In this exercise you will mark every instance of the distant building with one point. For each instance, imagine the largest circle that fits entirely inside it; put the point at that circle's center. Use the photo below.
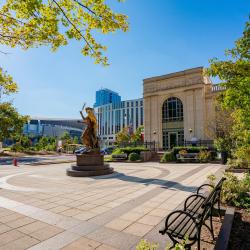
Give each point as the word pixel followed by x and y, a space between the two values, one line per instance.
pixel 113 117
pixel 37 127
pixel 106 96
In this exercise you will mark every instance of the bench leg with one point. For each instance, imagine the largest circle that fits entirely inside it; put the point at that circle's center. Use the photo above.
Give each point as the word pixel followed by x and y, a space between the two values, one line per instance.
pixel 199 240
pixel 219 210
pixel 211 225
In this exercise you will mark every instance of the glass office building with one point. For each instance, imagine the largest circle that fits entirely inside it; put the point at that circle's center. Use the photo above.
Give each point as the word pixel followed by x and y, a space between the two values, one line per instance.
pixel 106 96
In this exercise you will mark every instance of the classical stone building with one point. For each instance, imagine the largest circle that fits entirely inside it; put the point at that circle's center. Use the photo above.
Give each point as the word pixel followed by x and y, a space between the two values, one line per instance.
pixel 178 106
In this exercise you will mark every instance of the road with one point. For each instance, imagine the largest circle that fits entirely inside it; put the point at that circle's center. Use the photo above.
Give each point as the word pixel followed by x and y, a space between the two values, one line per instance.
pixel 37 159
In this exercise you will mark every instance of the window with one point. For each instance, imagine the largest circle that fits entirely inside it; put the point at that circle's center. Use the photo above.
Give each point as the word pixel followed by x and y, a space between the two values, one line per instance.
pixel 172 110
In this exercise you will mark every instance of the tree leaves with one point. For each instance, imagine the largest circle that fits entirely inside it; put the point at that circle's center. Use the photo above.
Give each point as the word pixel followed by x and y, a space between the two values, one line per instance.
pixel 235 76
pixel 11 123
pixel 7 85
pixel 31 23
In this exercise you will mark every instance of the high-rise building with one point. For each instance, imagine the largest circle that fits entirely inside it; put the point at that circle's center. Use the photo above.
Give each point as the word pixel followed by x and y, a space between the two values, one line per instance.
pixel 106 96
pixel 113 117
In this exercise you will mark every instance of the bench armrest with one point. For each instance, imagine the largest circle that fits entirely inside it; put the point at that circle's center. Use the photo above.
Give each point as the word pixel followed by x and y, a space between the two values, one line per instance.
pixel 167 224
pixel 202 186
pixel 193 197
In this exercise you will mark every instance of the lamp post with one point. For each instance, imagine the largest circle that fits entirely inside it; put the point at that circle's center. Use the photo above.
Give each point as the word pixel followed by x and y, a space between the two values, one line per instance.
pixel 154 133
pixel 190 133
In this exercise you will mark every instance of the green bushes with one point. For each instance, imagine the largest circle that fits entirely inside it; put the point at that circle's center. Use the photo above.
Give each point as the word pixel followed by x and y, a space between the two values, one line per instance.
pixel 146 245
pixel 134 157
pixel 237 163
pixel 24 144
pixel 235 191
pixel 129 150
pixel 17 147
pixel 118 151
pixel 204 156
pixel 168 157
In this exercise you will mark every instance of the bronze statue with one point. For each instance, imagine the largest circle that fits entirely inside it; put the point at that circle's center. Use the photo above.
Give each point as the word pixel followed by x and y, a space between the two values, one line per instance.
pixel 89 136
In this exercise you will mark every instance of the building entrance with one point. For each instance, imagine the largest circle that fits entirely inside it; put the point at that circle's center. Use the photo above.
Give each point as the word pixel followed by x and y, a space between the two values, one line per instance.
pixel 172 123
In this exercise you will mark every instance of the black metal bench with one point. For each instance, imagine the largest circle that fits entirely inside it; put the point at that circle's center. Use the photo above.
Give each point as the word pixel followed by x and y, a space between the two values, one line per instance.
pixel 120 157
pixel 186 224
pixel 188 157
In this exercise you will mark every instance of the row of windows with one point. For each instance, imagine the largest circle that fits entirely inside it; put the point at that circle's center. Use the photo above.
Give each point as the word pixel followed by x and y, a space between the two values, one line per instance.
pixel 121 105
pixel 111 122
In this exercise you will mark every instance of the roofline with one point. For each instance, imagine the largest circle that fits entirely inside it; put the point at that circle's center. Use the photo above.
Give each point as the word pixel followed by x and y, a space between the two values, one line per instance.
pixel 51 119
pixel 175 74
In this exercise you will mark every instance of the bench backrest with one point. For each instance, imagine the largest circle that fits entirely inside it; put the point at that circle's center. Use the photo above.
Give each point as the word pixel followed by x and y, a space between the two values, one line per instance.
pixel 212 198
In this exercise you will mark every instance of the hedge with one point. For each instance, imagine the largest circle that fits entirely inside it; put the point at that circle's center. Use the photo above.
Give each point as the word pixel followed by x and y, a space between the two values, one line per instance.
pixel 129 150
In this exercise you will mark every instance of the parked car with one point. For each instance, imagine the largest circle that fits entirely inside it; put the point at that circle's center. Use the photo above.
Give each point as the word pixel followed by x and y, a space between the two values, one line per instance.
pixel 80 150
pixel 107 150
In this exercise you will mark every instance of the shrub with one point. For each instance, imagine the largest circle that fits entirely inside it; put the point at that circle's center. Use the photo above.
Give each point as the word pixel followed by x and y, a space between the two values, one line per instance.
pixel 145 245
pixel 133 157
pixel 117 151
pixel 237 163
pixel 17 147
pixel 182 152
pixel 168 156
pixel 235 191
pixel 129 150
pixel 204 156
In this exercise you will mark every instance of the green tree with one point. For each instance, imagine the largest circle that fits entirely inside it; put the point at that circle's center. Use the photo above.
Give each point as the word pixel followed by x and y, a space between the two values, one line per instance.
pixel 136 137
pixel 75 140
pixel 31 23
pixel 235 76
pixel 123 136
pixel 11 122
pixel 66 138
pixel 7 85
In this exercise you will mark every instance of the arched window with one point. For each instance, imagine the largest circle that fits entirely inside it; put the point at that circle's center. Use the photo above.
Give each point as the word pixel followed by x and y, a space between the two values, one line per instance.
pixel 172 110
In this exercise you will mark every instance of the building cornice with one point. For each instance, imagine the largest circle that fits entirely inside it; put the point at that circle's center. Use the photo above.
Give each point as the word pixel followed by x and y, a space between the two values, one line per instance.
pixel 174 75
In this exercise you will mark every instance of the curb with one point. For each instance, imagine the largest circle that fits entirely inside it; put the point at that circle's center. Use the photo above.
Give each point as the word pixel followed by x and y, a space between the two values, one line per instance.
pixel 224 235
pixel 48 163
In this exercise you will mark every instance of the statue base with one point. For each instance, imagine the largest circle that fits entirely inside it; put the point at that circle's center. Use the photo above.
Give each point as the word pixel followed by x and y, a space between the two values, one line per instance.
pixel 89 164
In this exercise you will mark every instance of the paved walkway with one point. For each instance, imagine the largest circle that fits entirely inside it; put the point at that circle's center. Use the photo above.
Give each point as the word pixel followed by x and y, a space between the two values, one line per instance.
pixel 42 208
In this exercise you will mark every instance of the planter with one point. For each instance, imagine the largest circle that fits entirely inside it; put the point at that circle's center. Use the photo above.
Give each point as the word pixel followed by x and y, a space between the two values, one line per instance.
pixel 224 156
pixel 238 170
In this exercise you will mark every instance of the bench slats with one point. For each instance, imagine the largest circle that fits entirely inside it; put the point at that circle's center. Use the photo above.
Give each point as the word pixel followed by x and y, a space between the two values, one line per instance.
pixel 197 209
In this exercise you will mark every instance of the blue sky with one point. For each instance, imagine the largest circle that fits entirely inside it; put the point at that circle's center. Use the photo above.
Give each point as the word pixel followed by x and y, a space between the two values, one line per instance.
pixel 165 36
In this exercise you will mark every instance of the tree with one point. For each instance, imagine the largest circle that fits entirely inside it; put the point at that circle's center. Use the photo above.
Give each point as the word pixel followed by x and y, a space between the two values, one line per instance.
pixel 136 137
pixel 75 140
pixel 11 123
pixel 7 85
pixel 235 76
pixel 31 23
pixel 123 136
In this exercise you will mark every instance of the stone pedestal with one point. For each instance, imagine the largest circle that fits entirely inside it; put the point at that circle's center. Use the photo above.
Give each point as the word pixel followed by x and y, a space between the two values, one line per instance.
pixel 89 164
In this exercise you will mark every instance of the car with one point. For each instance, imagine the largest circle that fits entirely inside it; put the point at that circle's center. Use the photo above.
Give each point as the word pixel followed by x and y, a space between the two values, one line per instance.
pixel 107 150
pixel 80 150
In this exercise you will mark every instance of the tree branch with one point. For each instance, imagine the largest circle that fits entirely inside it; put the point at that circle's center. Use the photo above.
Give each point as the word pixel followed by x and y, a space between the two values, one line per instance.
pixel 73 25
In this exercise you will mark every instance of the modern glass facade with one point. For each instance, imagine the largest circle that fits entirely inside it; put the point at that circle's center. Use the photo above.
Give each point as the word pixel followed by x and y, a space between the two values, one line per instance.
pixel 106 96
pixel 113 117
